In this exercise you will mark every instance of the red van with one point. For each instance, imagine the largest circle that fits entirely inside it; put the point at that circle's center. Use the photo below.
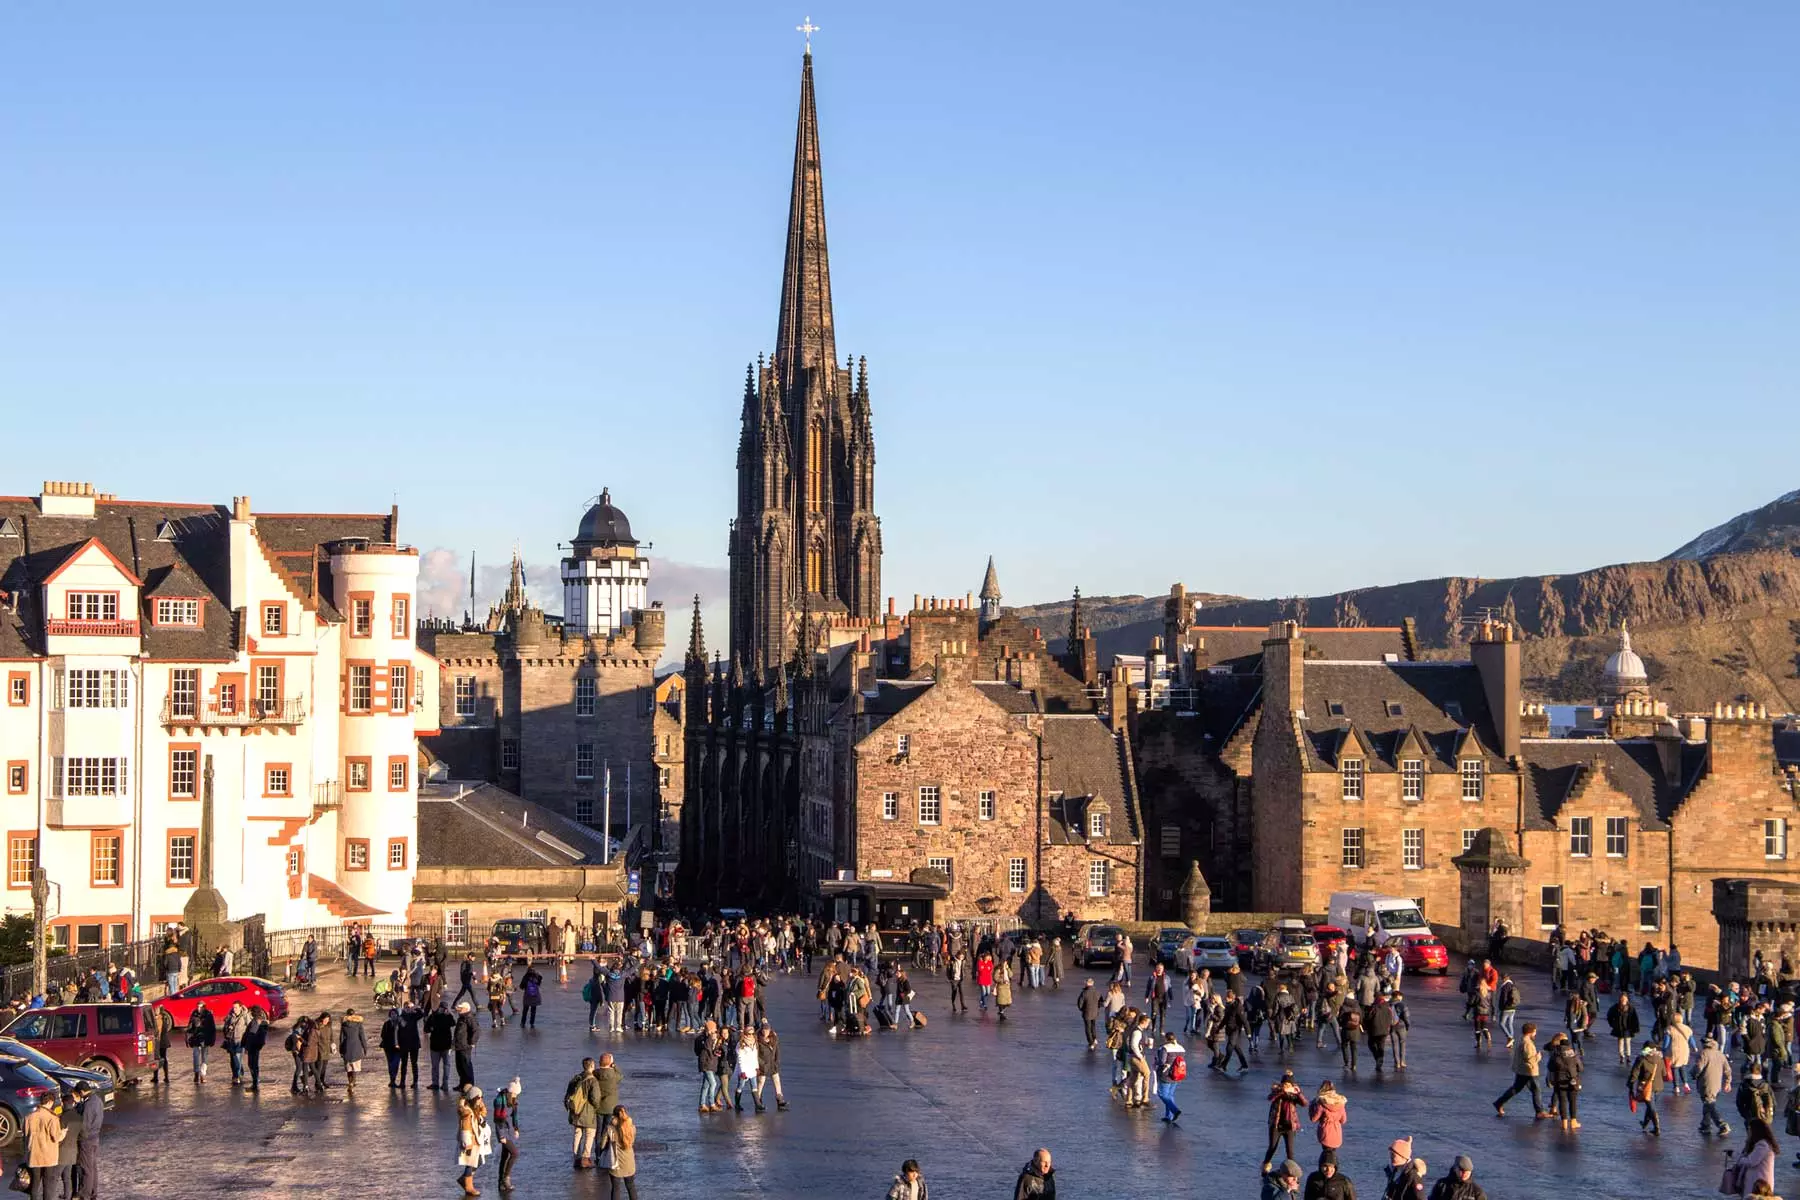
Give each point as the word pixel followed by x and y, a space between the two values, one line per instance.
pixel 113 1039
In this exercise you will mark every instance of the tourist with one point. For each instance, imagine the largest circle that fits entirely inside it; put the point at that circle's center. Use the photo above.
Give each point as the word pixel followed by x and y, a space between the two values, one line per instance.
pixel 909 1184
pixel 1712 1075
pixel 1565 1080
pixel 1508 1001
pixel 1526 1062
pixel 162 1033
pixel 318 1051
pixel 506 1125
pixel 91 1114
pixel 532 987
pixel 1326 1183
pixel 1644 1082
pixel 44 1136
pixel 984 978
pixel 581 1100
pixel 1171 1069
pixel 618 1143
pixel 201 1034
pixel 1622 1019
pixel 744 1072
pixel 469 1128
pixel 1087 1002
pixel 256 1035
pixel 237 1022
pixel 1405 1174
pixel 1329 1111
pixel 390 1046
pixel 466 1034
pixel 1038 1180
pixel 1757 1161
pixel 1459 1182
pixel 353 1047
pixel 709 1053
pixel 1281 1182
pixel 768 1064
pixel 1286 1103
pixel 1003 991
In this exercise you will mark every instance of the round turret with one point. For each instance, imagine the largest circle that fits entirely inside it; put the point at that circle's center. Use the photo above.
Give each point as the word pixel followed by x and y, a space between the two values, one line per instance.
pixel 1625 673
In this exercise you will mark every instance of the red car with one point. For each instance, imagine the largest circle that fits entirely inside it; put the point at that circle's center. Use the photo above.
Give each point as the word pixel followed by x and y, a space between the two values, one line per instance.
pixel 1326 937
pixel 1421 952
pixel 218 995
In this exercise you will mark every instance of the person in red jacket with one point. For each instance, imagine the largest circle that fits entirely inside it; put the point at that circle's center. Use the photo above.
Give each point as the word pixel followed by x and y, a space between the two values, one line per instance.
pixel 984 977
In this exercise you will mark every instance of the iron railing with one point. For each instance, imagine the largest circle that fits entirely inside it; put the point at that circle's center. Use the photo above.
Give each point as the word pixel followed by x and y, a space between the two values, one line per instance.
pixel 143 957
pixel 290 710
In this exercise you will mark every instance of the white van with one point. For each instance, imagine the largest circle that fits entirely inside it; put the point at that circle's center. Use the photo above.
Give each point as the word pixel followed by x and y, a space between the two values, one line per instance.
pixel 1370 916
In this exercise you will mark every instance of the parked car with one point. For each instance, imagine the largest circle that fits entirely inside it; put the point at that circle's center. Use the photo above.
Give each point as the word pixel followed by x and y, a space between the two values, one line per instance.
pixel 1327 937
pixel 1098 944
pixel 1205 952
pixel 519 935
pixel 1420 952
pixel 66 1076
pixel 1166 942
pixel 111 1039
pixel 1287 946
pixel 218 995
pixel 23 1087
pixel 1245 943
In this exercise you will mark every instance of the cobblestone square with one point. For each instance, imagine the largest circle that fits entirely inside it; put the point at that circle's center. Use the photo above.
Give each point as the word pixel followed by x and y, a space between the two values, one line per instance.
pixel 968 1097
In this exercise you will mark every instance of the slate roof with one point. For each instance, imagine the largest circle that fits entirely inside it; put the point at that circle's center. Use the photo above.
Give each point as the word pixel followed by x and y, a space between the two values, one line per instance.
pixel 192 562
pixel 293 541
pixel 1012 699
pixel 1240 646
pixel 1339 695
pixel 1084 759
pixel 485 826
pixel 1555 768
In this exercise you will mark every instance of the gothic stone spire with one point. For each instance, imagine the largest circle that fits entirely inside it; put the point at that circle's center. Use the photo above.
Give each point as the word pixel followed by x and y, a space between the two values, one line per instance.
pixel 804 336
pixel 696 651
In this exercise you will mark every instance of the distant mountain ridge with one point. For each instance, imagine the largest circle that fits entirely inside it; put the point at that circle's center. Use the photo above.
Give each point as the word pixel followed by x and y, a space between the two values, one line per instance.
pixel 1716 620
pixel 1774 526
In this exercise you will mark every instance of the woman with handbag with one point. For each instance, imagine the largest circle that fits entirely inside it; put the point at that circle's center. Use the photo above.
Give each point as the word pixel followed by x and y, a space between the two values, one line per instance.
pixel 1757 1162
pixel 617 1156
pixel 468 1145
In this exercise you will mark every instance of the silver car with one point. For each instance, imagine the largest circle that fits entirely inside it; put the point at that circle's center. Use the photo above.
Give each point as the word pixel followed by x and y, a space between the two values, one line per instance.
pixel 1204 952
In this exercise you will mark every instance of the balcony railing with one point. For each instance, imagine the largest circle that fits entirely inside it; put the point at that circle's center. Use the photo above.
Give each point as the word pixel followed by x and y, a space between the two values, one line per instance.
pixel 57 627
pixel 328 795
pixel 288 711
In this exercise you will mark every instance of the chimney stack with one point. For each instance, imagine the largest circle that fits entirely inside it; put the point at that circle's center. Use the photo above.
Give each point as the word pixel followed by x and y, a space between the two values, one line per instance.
pixel 1496 657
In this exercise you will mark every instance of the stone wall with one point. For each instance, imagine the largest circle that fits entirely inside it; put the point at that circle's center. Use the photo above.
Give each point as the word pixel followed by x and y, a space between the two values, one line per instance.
pixel 550 732
pixel 961 743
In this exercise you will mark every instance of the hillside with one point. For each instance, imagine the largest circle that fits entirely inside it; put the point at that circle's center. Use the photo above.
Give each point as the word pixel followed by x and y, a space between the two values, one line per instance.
pixel 1774 526
pixel 1718 619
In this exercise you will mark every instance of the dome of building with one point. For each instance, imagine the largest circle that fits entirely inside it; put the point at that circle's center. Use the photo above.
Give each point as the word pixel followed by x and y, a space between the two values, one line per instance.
pixel 605 525
pixel 1625 670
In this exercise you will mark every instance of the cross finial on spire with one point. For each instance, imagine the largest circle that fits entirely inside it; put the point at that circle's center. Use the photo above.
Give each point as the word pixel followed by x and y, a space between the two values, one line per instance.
pixel 807 28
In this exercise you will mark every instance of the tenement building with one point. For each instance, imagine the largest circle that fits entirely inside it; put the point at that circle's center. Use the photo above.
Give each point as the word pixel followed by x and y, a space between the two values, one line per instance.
pixel 156 654
pixel 1417 778
pixel 561 710
pixel 862 762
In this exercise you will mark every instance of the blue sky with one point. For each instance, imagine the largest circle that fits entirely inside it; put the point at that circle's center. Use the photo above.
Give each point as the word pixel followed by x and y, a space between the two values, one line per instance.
pixel 1266 298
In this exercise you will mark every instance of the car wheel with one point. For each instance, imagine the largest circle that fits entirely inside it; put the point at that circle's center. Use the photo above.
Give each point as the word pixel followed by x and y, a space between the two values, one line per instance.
pixel 103 1067
pixel 9 1125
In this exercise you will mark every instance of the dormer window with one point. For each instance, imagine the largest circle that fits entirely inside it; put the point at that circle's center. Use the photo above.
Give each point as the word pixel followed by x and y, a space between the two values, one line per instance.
pixel 178 610
pixel 1097 824
pixel 1395 709
pixel 1350 771
pixel 1335 707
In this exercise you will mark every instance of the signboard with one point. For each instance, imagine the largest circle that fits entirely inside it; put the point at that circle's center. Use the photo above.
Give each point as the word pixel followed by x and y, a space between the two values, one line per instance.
pixel 633 881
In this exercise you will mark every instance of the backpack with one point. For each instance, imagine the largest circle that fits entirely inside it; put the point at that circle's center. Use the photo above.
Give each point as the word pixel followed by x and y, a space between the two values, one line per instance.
pixel 575 1101
pixel 587 991
pixel 1178 1068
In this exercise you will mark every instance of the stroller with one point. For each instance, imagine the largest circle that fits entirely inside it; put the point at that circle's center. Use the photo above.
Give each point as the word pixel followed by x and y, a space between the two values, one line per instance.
pixel 386 996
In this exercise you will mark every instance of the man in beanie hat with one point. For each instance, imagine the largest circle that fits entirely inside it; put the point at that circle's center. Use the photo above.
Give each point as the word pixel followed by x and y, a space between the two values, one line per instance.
pixel 1405 1174
pixel 1755 1100
pixel 1281 1182
pixel 1325 1183
pixel 1459 1182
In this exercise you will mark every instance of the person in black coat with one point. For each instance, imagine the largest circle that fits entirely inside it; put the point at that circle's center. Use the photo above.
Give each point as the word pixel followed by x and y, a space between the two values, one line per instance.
pixel 202 1034
pixel 440 1032
pixel 390 1046
pixel 411 1018
pixel 256 1035
pixel 465 1034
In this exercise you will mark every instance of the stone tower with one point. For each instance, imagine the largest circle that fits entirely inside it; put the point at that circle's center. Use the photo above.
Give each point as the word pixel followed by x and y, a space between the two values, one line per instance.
pixel 806 544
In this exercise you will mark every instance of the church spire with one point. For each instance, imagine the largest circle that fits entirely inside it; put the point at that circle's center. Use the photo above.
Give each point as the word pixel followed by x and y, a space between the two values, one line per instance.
pixel 696 651
pixel 804 336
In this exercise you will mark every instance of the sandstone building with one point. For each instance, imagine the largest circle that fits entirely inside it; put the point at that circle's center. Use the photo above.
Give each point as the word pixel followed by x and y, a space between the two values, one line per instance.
pixel 562 710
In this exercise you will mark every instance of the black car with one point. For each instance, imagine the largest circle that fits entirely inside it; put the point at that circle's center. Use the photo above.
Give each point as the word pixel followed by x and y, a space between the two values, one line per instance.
pixel 66 1077
pixel 22 1089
